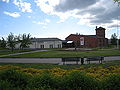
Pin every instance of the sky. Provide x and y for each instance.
(58, 18)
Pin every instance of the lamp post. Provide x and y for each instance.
(117, 33)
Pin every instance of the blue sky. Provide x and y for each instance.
(57, 18)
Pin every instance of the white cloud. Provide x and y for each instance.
(44, 27)
(29, 16)
(7, 1)
(14, 14)
(89, 12)
(45, 22)
(23, 6)
(41, 23)
(45, 7)
(26, 7)
(48, 7)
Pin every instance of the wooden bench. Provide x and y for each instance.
(98, 58)
(70, 59)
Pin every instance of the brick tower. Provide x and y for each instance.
(100, 32)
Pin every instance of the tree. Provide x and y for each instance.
(24, 40)
(117, 1)
(114, 39)
(3, 43)
(11, 41)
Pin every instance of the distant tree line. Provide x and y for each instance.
(22, 40)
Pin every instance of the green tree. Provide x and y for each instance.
(117, 1)
(114, 39)
(11, 41)
(3, 43)
(24, 40)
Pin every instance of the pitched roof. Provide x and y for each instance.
(45, 39)
(94, 36)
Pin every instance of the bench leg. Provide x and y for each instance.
(77, 62)
(63, 63)
(82, 61)
(89, 62)
(101, 61)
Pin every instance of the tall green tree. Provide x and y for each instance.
(11, 41)
(114, 39)
(3, 43)
(24, 40)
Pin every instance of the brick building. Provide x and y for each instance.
(91, 41)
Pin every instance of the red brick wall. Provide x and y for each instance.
(91, 42)
(88, 41)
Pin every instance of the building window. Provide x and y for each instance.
(41, 46)
(51, 46)
(59, 45)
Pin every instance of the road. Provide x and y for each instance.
(47, 60)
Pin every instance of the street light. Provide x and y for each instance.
(118, 32)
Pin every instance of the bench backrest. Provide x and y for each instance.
(96, 58)
(70, 59)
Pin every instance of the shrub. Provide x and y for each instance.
(41, 88)
(17, 79)
(112, 82)
(4, 85)
(44, 80)
(78, 81)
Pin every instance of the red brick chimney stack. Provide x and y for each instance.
(100, 32)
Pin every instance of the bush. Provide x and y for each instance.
(4, 85)
(78, 81)
(17, 79)
(112, 82)
(41, 88)
(44, 80)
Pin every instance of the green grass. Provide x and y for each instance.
(8, 51)
(67, 67)
(61, 53)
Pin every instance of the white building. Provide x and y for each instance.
(46, 43)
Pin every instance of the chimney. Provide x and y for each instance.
(100, 32)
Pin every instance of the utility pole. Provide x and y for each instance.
(117, 33)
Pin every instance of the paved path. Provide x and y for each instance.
(30, 60)
(22, 53)
(47, 60)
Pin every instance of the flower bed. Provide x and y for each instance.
(94, 78)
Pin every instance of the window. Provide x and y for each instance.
(51, 46)
(59, 45)
(41, 46)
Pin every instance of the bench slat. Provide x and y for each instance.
(70, 60)
(100, 58)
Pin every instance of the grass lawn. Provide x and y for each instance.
(61, 53)
(8, 51)
(67, 67)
